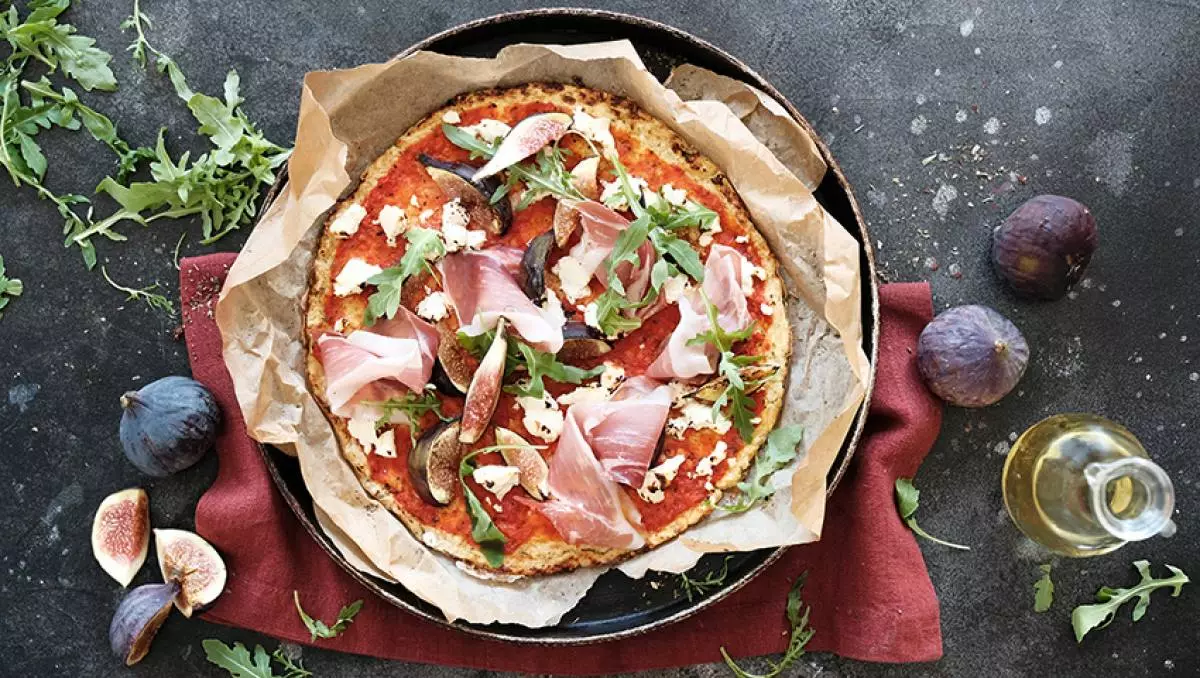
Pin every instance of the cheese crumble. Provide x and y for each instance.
(454, 228)
(488, 130)
(658, 478)
(542, 417)
(574, 279)
(363, 430)
(497, 479)
(347, 221)
(393, 221)
(593, 128)
(353, 275)
(434, 307)
(696, 415)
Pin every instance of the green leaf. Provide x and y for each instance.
(542, 365)
(907, 500)
(469, 142)
(318, 628)
(424, 245)
(413, 405)
(148, 295)
(217, 121)
(782, 447)
(10, 288)
(1043, 591)
(237, 660)
(680, 251)
(483, 529)
(291, 669)
(1085, 618)
(797, 615)
(695, 587)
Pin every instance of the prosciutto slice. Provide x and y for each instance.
(483, 288)
(603, 444)
(723, 272)
(601, 227)
(373, 364)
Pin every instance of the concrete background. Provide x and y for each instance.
(1095, 100)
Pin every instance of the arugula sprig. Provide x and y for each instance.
(729, 365)
(783, 444)
(797, 616)
(320, 629)
(483, 529)
(907, 500)
(539, 365)
(238, 661)
(424, 245)
(1108, 600)
(40, 37)
(693, 586)
(10, 288)
(413, 405)
(148, 294)
(1043, 590)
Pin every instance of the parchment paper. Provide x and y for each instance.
(348, 118)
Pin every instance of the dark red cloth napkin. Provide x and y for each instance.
(870, 594)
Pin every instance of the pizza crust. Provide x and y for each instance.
(541, 555)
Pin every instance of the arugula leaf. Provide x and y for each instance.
(147, 294)
(1043, 590)
(679, 250)
(469, 142)
(318, 628)
(907, 500)
(699, 587)
(140, 46)
(413, 405)
(1101, 613)
(10, 288)
(730, 366)
(291, 669)
(797, 616)
(424, 244)
(237, 660)
(542, 365)
(40, 37)
(781, 448)
(483, 529)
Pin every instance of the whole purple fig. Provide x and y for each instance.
(971, 356)
(1043, 247)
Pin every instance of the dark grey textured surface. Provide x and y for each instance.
(1095, 100)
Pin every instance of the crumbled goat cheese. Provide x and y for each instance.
(340, 325)
(591, 315)
(497, 479)
(454, 228)
(425, 215)
(488, 130)
(674, 287)
(705, 239)
(675, 196)
(412, 200)
(451, 117)
(696, 415)
(610, 380)
(742, 239)
(612, 377)
(749, 273)
(353, 275)
(658, 478)
(574, 279)
(612, 195)
(347, 221)
(707, 464)
(766, 309)
(393, 221)
(434, 307)
(542, 417)
(363, 430)
(593, 128)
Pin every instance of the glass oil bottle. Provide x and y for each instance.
(1081, 485)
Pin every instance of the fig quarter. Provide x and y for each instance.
(121, 533)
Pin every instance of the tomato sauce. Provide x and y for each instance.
(516, 516)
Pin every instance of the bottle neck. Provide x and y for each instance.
(1131, 498)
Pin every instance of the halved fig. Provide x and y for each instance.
(533, 264)
(484, 392)
(433, 463)
(186, 559)
(455, 180)
(581, 341)
(121, 533)
(137, 619)
(528, 137)
(455, 364)
(534, 472)
(754, 376)
(566, 217)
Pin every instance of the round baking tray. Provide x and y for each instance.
(616, 606)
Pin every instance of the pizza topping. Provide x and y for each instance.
(566, 217)
(393, 221)
(581, 342)
(674, 196)
(398, 350)
(542, 416)
(517, 452)
(424, 245)
(697, 416)
(706, 465)
(354, 274)
(455, 220)
(574, 279)
(533, 266)
(767, 309)
(484, 391)
(433, 464)
(451, 117)
(364, 431)
(486, 130)
(674, 287)
(434, 306)
(613, 195)
(347, 221)
(528, 137)
(497, 479)
(593, 128)
(483, 288)
(624, 432)
(456, 182)
(659, 478)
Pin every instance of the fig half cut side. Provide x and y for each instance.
(518, 452)
(188, 560)
(433, 463)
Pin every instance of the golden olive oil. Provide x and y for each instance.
(1081, 485)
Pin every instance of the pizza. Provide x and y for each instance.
(545, 331)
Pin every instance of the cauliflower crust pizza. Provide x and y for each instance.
(546, 331)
